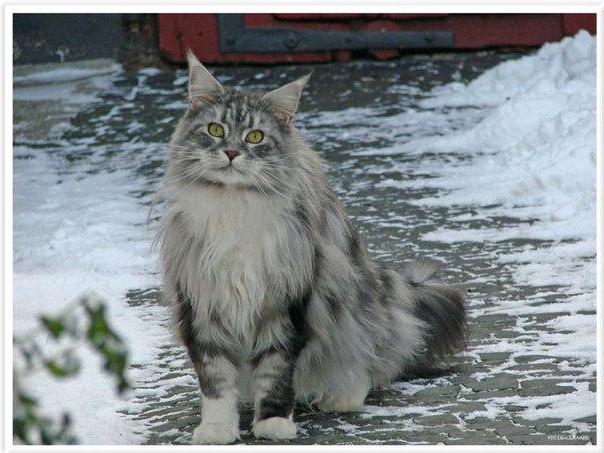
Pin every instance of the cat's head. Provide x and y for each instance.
(231, 138)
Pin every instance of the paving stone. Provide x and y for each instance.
(465, 377)
(395, 436)
(478, 421)
(532, 383)
(514, 408)
(488, 321)
(531, 358)
(486, 395)
(477, 441)
(442, 419)
(532, 440)
(466, 407)
(498, 382)
(539, 387)
(494, 356)
(590, 419)
(452, 432)
(571, 373)
(507, 334)
(509, 429)
(438, 393)
(534, 367)
(553, 428)
(538, 422)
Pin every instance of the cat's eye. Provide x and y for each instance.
(254, 137)
(216, 130)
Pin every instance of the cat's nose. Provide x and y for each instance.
(231, 154)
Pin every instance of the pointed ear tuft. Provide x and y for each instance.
(203, 87)
(285, 99)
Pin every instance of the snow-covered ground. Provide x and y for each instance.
(76, 231)
(533, 157)
(497, 173)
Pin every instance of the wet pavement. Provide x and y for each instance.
(508, 386)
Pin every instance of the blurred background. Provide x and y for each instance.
(139, 40)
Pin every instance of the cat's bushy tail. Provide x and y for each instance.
(442, 310)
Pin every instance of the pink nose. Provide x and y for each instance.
(231, 154)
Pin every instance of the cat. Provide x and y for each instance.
(273, 288)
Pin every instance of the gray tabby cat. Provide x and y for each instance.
(277, 298)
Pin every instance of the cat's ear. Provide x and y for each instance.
(203, 87)
(285, 99)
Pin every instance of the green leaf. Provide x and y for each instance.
(28, 356)
(20, 430)
(67, 368)
(108, 343)
(55, 369)
(97, 328)
(29, 425)
(53, 325)
(65, 424)
(47, 436)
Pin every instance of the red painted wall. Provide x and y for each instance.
(177, 32)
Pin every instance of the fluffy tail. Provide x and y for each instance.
(443, 311)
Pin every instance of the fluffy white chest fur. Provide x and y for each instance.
(240, 233)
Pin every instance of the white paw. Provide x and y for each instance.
(215, 433)
(342, 404)
(275, 428)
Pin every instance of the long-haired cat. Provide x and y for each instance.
(273, 287)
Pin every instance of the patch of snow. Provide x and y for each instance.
(398, 411)
(568, 407)
(63, 74)
(77, 231)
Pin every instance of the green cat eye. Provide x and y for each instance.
(254, 137)
(216, 130)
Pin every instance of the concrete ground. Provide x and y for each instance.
(503, 390)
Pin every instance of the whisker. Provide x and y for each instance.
(271, 186)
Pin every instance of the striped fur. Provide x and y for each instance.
(273, 286)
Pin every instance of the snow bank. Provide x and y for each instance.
(553, 67)
(536, 149)
(531, 157)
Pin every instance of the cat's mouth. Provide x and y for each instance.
(229, 167)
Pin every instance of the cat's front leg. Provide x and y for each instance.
(219, 395)
(274, 396)
(217, 371)
(278, 346)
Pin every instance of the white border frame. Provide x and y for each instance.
(319, 6)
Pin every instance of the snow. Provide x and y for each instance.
(554, 66)
(568, 407)
(62, 75)
(531, 157)
(80, 232)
